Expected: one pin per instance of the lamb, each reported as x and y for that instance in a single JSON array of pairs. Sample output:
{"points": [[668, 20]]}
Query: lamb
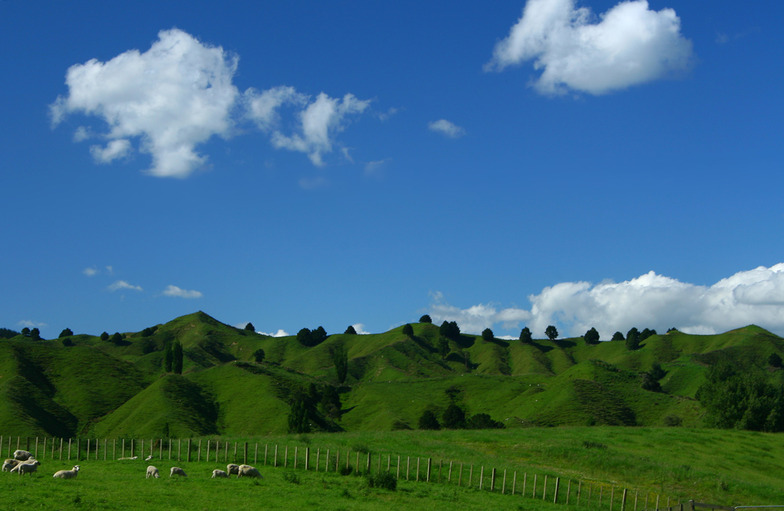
{"points": [[248, 471], [232, 468], [9, 464], [67, 474], [152, 472], [26, 467], [219, 473], [178, 471], [22, 455]]}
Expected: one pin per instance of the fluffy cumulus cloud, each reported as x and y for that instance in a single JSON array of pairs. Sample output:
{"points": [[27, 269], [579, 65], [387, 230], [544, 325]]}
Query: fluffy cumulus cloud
{"points": [[627, 45], [648, 301], [180, 93], [317, 120], [172, 97], [178, 292], [446, 128], [279, 333]]}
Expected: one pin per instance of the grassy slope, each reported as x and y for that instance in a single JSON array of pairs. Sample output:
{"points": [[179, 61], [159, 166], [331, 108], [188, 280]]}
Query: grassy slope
{"points": [[392, 378]]}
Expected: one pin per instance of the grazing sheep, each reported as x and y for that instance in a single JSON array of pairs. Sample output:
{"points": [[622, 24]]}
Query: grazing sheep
{"points": [[67, 474], [22, 455], [26, 467], [9, 464], [152, 472], [219, 473], [248, 471], [178, 471], [232, 468]]}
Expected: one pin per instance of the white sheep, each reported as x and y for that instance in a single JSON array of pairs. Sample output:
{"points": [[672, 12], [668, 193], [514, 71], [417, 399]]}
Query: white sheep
{"points": [[232, 468], [26, 467], [152, 472], [67, 474], [22, 455], [219, 473], [9, 464], [248, 471], [178, 471]]}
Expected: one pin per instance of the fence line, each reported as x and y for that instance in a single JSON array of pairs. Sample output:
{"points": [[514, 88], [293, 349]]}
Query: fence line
{"points": [[553, 491]]}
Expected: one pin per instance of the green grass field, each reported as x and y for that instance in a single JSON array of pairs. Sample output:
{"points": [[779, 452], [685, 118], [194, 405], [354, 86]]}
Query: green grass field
{"points": [[722, 467]]}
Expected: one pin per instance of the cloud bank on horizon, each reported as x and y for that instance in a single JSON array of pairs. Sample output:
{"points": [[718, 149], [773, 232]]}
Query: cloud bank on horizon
{"points": [[574, 50], [179, 94], [648, 301]]}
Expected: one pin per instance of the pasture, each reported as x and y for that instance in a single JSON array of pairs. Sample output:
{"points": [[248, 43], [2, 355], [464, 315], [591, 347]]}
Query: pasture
{"points": [[721, 466]]}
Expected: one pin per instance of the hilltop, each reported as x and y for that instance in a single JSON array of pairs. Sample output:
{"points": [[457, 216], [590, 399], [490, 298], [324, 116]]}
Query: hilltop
{"points": [[111, 388]]}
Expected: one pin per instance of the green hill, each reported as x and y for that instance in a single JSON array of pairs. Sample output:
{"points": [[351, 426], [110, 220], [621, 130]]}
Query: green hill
{"points": [[114, 389]]}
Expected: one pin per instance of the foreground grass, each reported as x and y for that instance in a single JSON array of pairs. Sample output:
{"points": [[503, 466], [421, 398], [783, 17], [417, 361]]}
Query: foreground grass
{"points": [[718, 466]]}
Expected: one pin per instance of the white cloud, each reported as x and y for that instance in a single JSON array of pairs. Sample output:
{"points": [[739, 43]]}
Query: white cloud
{"points": [[627, 45], [279, 333], [648, 301], [446, 128], [172, 97], [121, 284], [114, 149], [360, 328], [181, 293], [91, 271], [375, 168], [31, 324], [317, 123]]}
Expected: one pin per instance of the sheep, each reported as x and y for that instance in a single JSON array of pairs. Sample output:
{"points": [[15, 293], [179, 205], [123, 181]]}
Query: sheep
{"points": [[248, 471], [22, 455], [26, 467], [232, 468], [9, 464], [152, 472], [67, 474], [178, 471], [219, 473], [128, 458]]}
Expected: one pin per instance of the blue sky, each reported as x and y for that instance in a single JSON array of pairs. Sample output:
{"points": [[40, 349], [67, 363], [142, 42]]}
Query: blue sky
{"points": [[298, 164]]}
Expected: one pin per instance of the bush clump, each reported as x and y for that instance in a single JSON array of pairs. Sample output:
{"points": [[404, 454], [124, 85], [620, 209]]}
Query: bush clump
{"points": [[384, 480]]}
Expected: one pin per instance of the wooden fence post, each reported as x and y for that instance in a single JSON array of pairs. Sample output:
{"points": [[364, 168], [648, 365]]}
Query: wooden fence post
{"points": [[623, 500], [481, 476], [417, 474], [503, 484], [256, 453], [514, 481], [198, 453], [557, 485], [275, 460], [286, 457], [296, 454], [525, 481], [544, 488], [579, 491], [397, 475], [612, 496], [657, 502], [429, 466], [470, 475], [337, 461], [568, 491], [460, 476], [265, 453]]}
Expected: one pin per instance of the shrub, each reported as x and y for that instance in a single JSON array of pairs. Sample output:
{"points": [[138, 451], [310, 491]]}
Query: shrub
{"points": [[673, 421], [425, 319], [344, 471], [428, 420], [384, 480]]}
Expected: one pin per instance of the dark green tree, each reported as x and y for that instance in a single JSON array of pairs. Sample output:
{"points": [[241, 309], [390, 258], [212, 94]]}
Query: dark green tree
{"points": [[351, 330], [105, 336], [67, 332], [299, 420], [168, 357], [67, 341], [483, 421], [633, 339], [774, 360], [250, 328], [408, 330], [656, 372], [428, 420], [450, 330], [551, 332], [117, 338], [7, 333], [487, 335], [618, 336], [591, 336], [443, 347], [26, 332], [340, 360], [453, 417], [258, 356], [35, 334], [525, 335], [425, 319], [177, 358], [646, 333]]}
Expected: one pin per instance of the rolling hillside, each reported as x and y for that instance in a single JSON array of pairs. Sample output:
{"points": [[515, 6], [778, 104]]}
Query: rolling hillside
{"points": [[112, 389]]}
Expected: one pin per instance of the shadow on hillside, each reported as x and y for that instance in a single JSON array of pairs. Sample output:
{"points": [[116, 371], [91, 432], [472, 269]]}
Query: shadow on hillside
{"points": [[424, 344], [564, 344], [465, 341], [499, 342], [541, 347], [460, 359]]}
